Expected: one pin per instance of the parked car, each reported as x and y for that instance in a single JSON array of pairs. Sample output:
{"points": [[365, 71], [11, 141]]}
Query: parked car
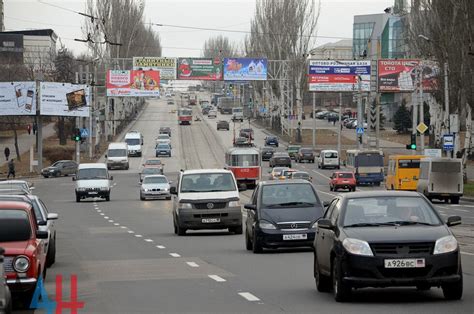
{"points": [[222, 124], [301, 175], [281, 159], [17, 184], [162, 149], [305, 154], [25, 253], [293, 150], [322, 114], [271, 141], [170, 102], [266, 153], [332, 117], [5, 295], [342, 180], [386, 239], [155, 186], [212, 114], [275, 173], [60, 168], [165, 130], [282, 214], [247, 133]]}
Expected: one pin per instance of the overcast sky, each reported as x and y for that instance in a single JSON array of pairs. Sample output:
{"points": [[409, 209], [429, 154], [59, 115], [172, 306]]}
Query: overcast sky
{"points": [[336, 20]]}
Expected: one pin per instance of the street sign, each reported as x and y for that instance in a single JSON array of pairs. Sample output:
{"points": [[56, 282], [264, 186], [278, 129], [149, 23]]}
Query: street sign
{"points": [[84, 132], [372, 118], [421, 128], [432, 152], [360, 130], [448, 142]]}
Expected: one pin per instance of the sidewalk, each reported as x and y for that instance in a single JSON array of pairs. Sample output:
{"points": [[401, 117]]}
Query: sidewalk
{"points": [[25, 141]]}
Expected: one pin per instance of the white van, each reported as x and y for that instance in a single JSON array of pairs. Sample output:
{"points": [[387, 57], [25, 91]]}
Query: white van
{"points": [[441, 178], [92, 180], [206, 199], [238, 114], [328, 158], [134, 141], [117, 156]]}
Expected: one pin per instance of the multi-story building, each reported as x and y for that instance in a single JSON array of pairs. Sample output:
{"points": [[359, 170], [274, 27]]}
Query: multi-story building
{"points": [[340, 50], [2, 17]]}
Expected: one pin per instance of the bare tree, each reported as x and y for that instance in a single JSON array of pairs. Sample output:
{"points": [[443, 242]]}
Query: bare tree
{"points": [[219, 46]]}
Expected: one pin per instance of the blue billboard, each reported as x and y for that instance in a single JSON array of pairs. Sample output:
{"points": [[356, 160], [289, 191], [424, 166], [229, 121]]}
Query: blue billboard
{"points": [[245, 69]]}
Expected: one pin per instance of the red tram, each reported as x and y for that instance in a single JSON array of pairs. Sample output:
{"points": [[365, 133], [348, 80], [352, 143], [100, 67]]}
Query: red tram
{"points": [[185, 116], [245, 163]]}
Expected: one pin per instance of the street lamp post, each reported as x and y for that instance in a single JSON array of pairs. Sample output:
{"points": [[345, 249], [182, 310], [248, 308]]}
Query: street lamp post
{"points": [[421, 114], [360, 123]]}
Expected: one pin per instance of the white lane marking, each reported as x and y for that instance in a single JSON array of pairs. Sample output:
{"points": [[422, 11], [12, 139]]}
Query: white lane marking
{"points": [[217, 278], [450, 208], [248, 296], [116, 224], [115, 184], [110, 220], [322, 175], [123, 227], [466, 253], [106, 217], [175, 255], [148, 240], [161, 247], [102, 214], [192, 264], [99, 211], [138, 236], [130, 231]]}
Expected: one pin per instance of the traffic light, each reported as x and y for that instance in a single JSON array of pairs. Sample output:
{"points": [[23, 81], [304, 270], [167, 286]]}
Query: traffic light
{"points": [[412, 144], [76, 136]]}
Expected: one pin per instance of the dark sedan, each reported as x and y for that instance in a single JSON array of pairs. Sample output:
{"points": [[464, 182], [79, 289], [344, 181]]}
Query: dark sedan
{"points": [[384, 239], [247, 133], [282, 214], [60, 168], [267, 153], [165, 130], [271, 141], [223, 125], [305, 154], [280, 159], [162, 150]]}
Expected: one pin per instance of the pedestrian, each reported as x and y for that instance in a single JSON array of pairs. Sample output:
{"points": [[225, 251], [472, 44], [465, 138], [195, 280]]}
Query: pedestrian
{"points": [[7, 153], [11, 169], [28, 127], [35, 128]]}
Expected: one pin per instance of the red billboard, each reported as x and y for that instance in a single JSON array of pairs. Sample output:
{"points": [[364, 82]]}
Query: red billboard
{"points": [[135, 83], [403, 75]]}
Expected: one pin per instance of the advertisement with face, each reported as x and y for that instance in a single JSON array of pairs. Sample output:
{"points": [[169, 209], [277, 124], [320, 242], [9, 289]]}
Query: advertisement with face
{"points": [[166, 66], [135, 83], [17, 98], [205, 69], [64, 99]]}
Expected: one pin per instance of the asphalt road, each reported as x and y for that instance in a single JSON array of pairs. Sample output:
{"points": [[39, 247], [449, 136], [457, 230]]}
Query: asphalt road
{"points": [[128, 260]]}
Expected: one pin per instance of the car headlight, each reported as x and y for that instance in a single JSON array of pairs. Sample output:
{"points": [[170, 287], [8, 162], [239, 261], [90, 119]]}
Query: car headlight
{"points": [[445, 245], [145, 190], [234, 204], [21, 264], [263, 224], [185, 206], [357, 247], [166, 189], [313, 226]]}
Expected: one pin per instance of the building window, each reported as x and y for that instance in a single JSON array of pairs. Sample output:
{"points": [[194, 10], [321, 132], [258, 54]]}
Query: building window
{"points": [[362, 32]]}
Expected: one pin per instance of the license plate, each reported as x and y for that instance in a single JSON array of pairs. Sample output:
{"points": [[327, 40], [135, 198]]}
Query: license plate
{"points": [[210, 220], [405, 263], [345, 181], [295, 236], [92, 193]]}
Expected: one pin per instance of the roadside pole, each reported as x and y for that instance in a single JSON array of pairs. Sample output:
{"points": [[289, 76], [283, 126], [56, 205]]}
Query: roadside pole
{"points": [[339, 131], [421, 114], [39, 128], [360, 123], [413, 117], [447, 127], [377, 126], [78, 143], [314, 120]]}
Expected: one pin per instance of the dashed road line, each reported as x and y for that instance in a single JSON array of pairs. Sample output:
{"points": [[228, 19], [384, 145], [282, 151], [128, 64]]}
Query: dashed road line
{"points": [[175, 255], [322, 175], [192, 264], [116, 224], [248, 296], [106, 217], [130, 231], [148, 240], [161, 247], [110, 220], [138, 236], [217, 278], [102, 214], [123, 227]]}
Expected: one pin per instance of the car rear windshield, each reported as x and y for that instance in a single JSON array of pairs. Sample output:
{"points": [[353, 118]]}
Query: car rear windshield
{"points": [[92, 174], [207, 182], [289, 195], [153, 162], [117, 153], [345, 175], [391, 209], [447, 167], [14, 185], [163, 146], [330, 155], [132, 141], [14, 225], [409, 163], [151, 171], [163, 137], [151, 180], [306, 150]]}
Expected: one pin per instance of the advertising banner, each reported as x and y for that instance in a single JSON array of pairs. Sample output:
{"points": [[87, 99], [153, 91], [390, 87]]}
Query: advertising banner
{"points": [[166, 66], [136, 83], [64, 99], [245, 69], [17, 98], [205, 69], [338, 76], [402, 75]]}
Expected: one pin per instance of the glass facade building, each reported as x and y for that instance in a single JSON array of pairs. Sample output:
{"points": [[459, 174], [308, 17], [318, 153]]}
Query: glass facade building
{"points": [[393, 42], [362, 33]]}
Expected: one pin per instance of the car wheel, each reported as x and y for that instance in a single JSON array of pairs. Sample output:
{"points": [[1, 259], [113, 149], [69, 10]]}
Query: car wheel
{"points": [[107, 198], [236, 230], [353, 189], [455, 200], [141, 197], [180, 230], [256, 245], [453, 291], [78, 198], [248, 243], [46, 177], [51, 255], [330, 188], [323, 283], [341, 290], [127, 167]]}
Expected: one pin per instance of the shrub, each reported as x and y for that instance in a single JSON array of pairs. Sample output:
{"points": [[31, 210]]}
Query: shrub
{"points": [[55, 153]]}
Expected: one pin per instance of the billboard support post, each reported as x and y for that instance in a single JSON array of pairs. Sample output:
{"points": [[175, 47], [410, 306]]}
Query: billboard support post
{"points": [[78, 143], [39, 127], [339, 126], [314, 120], [360, 122], [422, 110]]}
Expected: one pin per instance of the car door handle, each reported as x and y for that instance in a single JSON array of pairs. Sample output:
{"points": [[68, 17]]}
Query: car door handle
{"points": [[322, 235]]}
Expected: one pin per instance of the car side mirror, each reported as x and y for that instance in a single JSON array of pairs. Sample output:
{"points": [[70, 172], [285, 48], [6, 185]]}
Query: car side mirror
{"points": [[250, 206], [52, 216], [105, 155], [325, 224], [41, 234], [32, 188], [326, 203], [453, 221], [111, 178], [42, 223], [170, 182], [173, 190], [73, 178]]}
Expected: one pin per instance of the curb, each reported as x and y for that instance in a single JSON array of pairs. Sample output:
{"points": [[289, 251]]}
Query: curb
{"points": [[467, 199]]}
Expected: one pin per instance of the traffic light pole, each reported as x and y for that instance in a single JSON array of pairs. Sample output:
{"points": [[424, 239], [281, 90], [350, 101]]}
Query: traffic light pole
{"points": [[360, 122]]}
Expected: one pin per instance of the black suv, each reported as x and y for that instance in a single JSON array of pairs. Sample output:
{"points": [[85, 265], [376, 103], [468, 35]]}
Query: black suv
{"points": [[280, 160], [282, 214], [224, 125], [305, 154], [267, 153]]}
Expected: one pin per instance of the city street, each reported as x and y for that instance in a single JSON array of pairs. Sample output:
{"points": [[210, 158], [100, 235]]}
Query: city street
{"points": [[128, 260]]}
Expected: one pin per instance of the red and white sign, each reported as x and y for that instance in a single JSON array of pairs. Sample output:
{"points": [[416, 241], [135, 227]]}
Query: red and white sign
{"points": [[135, 83], [403, 75]]}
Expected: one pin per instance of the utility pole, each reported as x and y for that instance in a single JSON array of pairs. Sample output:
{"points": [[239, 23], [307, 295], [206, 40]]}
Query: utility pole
{"points": [[421, 114], [339, 126], [360, 122], [39, 129], [314, 120], [78, 143], [413, 117], [446, 103]]}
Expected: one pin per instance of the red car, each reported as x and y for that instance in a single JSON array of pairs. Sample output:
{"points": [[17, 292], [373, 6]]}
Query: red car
{"points": [[342, 180], [25, 255]]}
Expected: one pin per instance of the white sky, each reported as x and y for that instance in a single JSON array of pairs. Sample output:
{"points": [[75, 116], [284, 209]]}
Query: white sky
{"points": [[336, 20]]}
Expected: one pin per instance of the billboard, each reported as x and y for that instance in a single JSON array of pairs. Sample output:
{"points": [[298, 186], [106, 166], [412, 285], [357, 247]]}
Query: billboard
{"points": [[402, 75], [135, 83], [245, 69], [17, 98], [166, 66], [64, 99], [338, 76], [205, 69]]}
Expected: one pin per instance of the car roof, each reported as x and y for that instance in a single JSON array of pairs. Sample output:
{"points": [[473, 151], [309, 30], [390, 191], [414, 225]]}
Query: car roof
{"points": [[14, 205], [300, 172], [201, 171], [13, 181], [281, 154], [155, 176], [379, 193], [273, 182], [92, 165]]}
